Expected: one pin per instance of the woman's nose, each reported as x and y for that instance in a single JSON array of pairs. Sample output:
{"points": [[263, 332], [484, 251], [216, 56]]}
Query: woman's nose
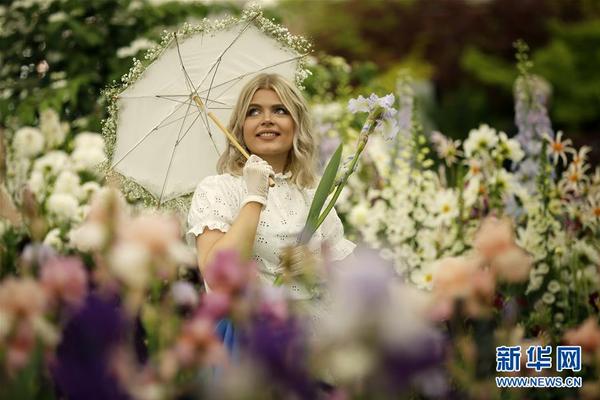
{"points": [[266, 118]]}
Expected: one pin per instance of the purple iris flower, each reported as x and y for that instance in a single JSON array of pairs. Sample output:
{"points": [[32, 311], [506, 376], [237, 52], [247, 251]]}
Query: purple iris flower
{"points": [[82, 365], [280, 347]]}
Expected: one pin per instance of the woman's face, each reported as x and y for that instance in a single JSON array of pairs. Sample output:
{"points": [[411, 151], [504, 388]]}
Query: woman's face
{"points": [[269, 128]]}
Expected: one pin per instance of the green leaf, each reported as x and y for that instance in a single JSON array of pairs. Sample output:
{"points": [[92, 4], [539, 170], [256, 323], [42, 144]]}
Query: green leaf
{"points": [[323, 190]]}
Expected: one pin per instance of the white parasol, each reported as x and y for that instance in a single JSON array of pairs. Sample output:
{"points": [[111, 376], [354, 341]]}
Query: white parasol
{"points": [[163, 132]]}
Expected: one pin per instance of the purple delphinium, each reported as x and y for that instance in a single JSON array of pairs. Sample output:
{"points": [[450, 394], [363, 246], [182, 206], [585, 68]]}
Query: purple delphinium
{"points": [[531, 117], [426, 352], [280, 348], [82, 366]]}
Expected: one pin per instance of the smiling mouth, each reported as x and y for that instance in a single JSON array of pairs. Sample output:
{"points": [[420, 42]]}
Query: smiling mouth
{"points": [[267, 134]]}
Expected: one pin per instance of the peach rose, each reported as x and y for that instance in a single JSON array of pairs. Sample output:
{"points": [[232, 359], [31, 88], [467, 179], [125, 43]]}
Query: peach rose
{"points": [[494, 237], [453, 277], [512, 265], [587, 335]]}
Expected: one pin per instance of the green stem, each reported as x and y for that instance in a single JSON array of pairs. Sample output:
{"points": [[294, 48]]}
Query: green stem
{"points": [[368, 129]]}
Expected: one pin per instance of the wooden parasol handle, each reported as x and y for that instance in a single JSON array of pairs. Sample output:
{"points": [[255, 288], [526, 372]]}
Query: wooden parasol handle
{"points": [[228, 134]]}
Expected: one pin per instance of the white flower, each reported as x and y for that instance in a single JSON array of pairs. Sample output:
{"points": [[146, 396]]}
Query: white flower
{"points": [[37, 184], [52, 162], [57, 17], [535, 282], [68, 183], [548, 298], [480, 140], [379, 152], [82, 213], [134, 47], [446, 148], [54, 132], [63, 206], [445, 206], [53, 239], [129, 262], [88, 237], [559, 148], [87, 158], [88, 190], [86, 140], [359, 215], [553, 286], [472, 191], [28, 142], [543, 268], [423, 277], [503, 180], [509, 149]]}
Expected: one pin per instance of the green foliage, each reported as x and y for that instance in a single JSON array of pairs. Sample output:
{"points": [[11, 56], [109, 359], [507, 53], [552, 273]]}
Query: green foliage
{"points": [[326, 185], [489, 69], [86, 45], [570, 62]]}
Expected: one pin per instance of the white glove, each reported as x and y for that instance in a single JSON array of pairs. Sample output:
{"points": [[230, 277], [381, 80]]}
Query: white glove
{"points": [[256, 174]]}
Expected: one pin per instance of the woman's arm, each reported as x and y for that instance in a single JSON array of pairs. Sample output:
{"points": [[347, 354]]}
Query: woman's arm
{"points": [[239, 237]]}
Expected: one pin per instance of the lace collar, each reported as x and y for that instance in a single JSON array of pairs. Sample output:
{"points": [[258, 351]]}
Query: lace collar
{"points": [[283, 176]]}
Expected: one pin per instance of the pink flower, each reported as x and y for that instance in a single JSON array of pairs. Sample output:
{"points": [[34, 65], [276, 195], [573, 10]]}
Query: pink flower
{"points": [[22, 298], [587, 335], [462, 278], [494, 237], [154, 231], [512, 265], [184, 294], [215, 305], [453, 277], [227, 273], [65, 279], [197, 342], [20, 346]]}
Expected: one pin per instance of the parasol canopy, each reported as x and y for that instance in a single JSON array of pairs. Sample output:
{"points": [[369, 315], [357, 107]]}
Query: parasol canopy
{"points": [[164, 142]]}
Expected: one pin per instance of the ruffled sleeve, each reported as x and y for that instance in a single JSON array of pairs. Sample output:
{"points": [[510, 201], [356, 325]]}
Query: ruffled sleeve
{"points": [[333, 234], [214, 205]]}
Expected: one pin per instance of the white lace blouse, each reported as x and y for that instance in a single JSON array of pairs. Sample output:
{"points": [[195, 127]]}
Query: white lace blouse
{"points": [[216, 203]]}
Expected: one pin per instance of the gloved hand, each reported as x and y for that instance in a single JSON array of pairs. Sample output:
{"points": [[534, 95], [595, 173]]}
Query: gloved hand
{"points": [[256, 174]]}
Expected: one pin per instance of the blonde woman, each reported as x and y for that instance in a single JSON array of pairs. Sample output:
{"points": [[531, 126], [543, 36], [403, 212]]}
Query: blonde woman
{"points": [[237, 209]]}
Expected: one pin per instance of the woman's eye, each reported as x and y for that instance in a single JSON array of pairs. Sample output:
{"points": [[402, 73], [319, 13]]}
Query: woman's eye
{"points": [[281, 110], [252, 112]]}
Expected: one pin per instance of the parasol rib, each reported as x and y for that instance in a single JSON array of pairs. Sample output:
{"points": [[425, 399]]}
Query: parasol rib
{"points": [[192, 88], [156, 128], [162, 190], [218, 61]]}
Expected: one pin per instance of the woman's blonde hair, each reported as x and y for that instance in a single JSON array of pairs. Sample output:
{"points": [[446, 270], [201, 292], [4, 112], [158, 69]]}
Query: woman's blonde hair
{"points": [[302, 158]]}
